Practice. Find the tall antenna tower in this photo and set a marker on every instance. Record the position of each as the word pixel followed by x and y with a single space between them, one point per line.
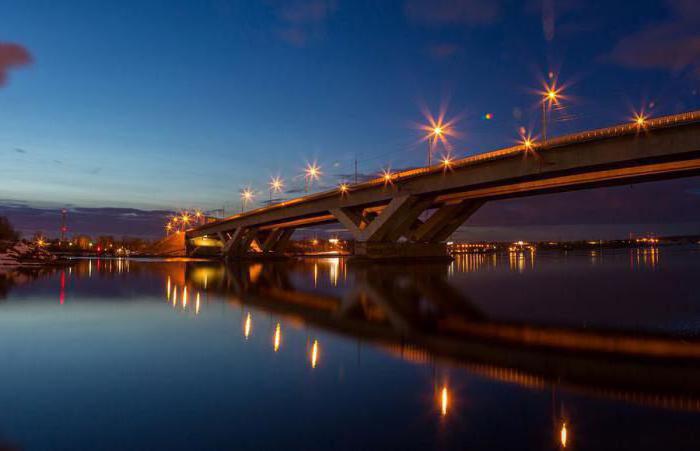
pixel 64 229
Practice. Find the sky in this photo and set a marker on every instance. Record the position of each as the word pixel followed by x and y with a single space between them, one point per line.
pixel 134 108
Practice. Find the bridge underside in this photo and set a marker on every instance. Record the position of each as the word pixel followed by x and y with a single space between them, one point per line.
pixel 415 213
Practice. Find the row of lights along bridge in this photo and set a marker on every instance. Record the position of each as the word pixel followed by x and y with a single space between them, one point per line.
pixel 436 132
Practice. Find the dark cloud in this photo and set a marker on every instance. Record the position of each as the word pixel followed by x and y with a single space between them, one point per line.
pixel 657 202
pixel 671 45
pixel 12 56
pixel 361 177
pixel 88 221
pixel 19 150
pixel 453 12
pixel 95 171
pixel 302 21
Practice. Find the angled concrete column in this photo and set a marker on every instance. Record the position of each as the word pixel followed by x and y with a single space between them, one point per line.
pixel 232 243
pixel 281 244
pixel 400 210
pixel 452 225
pixel 271 239
pixel 352 219
pixel 442 223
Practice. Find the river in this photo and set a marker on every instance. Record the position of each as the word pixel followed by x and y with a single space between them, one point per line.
pixel 548 350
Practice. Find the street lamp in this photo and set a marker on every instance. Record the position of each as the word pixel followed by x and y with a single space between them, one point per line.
pixel 446 162
pixel 550 97
pixel 276 185
pixel 640 120
pixel 387 176
pixel 246 196
pixel 311 173
pixel 343 188
pixel 435 133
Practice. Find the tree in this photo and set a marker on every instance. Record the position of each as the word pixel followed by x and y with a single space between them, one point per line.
pixel 7 232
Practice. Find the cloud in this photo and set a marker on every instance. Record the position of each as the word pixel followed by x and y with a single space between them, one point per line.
pixel 361 177
pixel 30 218
pixel 19 150
pixel 94 171
pixel 453 12
pixel 672 45
pixel 302 21
pixel 12 56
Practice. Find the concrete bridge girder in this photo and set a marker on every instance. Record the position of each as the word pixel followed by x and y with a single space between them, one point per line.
pixel 246 241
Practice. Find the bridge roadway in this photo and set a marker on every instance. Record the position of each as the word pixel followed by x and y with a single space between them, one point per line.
pixel 412 214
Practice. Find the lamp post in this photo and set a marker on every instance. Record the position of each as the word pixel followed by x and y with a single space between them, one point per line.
pixel 246 196
pixel 436 133
pixel 311 173
pixel 550 97
pixel 276 185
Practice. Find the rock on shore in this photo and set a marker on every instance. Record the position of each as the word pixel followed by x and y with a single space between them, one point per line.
pixel 23 254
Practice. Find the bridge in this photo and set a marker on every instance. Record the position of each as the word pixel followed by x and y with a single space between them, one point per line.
pixel 410 214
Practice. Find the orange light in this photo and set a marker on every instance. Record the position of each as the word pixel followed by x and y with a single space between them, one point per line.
pixel 312 171
pixel 276 184
pixel 277 338
pixel 247 326
pixel 563 435
pixel 343 187
pixel 640 119
pixel 446 161
pixel 314 354
pixel 387 175
pixel 444 401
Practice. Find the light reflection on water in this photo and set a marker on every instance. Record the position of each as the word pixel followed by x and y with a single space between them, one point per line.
pixel 451 350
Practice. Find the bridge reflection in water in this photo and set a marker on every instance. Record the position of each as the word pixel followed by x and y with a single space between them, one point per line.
pixel 414 312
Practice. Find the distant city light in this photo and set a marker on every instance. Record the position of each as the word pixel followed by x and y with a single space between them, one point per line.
pixel 343 187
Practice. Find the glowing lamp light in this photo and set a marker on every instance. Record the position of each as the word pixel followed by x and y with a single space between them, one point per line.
pixel 446 161
pixel 488 116
pixel 387 175
pixel 640 120
pixel 563 435
pixel 312 171
pixel 343 187
pixel 314 354
pixel 277 338
pixel 444 401
pixel 247 326
pixel 276 184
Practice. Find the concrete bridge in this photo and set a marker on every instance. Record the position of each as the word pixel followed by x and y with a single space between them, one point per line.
pixel 411 214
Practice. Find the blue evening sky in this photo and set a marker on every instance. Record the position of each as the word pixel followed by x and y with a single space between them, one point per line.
pixel 177 104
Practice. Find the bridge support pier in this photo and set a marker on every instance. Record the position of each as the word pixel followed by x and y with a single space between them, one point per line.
pixel 246 243
pixel 399 233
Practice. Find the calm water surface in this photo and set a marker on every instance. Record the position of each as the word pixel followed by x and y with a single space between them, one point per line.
pixel 585 350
